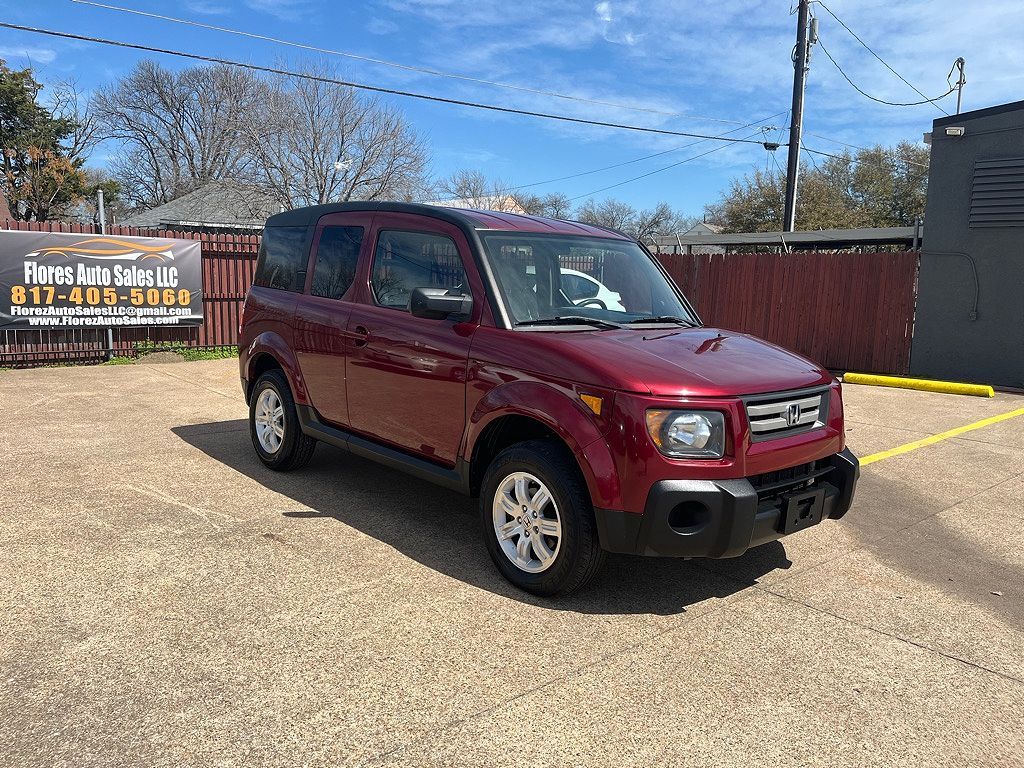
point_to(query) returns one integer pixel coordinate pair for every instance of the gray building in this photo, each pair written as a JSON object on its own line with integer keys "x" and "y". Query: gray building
{"x": 970, "y": 313}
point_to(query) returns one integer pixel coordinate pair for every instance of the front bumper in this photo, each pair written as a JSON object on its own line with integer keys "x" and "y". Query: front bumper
{"x": 725, "y": 518}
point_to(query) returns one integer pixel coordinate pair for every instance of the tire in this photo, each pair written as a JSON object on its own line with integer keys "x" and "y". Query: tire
{"x": 292, "y": 448}
{"x": 546, "y": 565}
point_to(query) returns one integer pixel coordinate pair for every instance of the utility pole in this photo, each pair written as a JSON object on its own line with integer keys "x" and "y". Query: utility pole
{"x": 961, "y": 81}
{"x": 801, "y": 59}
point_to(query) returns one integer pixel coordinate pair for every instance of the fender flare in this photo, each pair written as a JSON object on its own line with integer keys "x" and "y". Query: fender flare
{"x": 270, "y": 343}
{"x": 564, "y": 415}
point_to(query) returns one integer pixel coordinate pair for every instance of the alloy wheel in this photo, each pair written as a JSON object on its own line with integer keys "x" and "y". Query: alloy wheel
{"x": 526, "y": 522}
{"x": 269, "y": 417}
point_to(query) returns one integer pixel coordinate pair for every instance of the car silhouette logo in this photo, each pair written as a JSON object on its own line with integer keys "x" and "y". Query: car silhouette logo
{"x": 793, "y": 415}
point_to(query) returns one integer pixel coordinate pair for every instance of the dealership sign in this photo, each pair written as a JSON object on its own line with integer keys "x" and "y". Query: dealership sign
{"x": 51, "y": 279}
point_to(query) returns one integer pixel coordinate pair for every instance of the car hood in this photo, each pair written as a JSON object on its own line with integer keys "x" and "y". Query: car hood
{"x": 701, "y": 362}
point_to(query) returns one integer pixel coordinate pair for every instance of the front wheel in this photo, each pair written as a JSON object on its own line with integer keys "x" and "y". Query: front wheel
{"x": 537, "y": 519}
{"x": 274, "y": 424}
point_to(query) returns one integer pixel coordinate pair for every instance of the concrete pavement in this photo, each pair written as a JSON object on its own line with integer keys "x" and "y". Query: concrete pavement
{"x": 167, "y": 601}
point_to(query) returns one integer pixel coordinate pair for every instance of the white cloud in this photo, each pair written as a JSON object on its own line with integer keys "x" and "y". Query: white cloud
{"x": 285, "y": 10}
{"x": 617, "y": 22}
{"x": 207, "y": 8}
{"x": 30, "y": 53}
{"x": 378, "y": 26}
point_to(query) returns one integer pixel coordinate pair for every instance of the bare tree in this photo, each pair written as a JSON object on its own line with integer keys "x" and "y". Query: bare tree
{"x": 610, "y": 212}
{"x": 554, "y": 205}
{"x": 67, "y": 103}
{"x": 316, "y": 142}
{"x": 179, "y": 129}
{"x": 652, "y": 221}
{"x": 642, "y": 225}
{"x": 679, "y": 223}
{"x": 467, "y": 185}
{"x": 474, "y": 190}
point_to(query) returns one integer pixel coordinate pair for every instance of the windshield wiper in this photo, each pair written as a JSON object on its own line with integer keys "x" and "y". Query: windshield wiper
{"x": 663, "y": 319}
{"x": 570, "y": 320}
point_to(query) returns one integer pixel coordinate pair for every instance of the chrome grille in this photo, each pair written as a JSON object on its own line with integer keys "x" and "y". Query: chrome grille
{"x": 773, "y": 416}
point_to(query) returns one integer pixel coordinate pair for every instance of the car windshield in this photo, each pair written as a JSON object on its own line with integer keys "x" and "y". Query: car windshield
{"x": 562, "y": 277}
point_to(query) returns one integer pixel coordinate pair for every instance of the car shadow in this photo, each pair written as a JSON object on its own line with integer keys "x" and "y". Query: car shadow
{"x": 416, "y": 518}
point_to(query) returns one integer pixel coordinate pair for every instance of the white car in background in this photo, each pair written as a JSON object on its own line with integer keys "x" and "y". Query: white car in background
{"x": 585, "y": 290}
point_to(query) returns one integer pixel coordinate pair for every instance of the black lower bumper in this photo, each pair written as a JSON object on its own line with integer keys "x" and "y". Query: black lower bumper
{"x": 725, "y": 518}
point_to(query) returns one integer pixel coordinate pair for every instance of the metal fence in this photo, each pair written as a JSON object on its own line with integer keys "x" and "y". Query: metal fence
{"x": 847, "y": 311}
{"x": 228, "y": 260}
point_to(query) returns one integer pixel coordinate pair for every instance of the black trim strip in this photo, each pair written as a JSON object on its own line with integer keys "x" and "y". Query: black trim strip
{"x": 768, "y": 487}
{"x": 456, "y": 479}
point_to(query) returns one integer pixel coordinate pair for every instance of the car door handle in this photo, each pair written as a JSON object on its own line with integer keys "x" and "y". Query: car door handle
{"x": 360, "y": 336}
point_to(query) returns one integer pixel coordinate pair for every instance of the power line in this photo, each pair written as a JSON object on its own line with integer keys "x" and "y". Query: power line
{"x": 365, "y": 87}
{"x": 851, "y": 159}
{"x": 660, "y": 170}
{"x": 875, "y": 98}
{"x": 813, "y": 161}
{"x": 837, "y": 141}
{"x": 829, "y": 154}
{"x": 782, "y": 174}
{"x": 855, "y": 146}
{"x": 639, "y": 159}
{"x": 398, "y": 65}
{"x": 884, "y": 62}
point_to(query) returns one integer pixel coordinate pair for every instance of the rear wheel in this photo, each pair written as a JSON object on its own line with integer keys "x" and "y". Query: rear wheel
{"x": 537, "y": 519}
{"x": 274, "y": 424}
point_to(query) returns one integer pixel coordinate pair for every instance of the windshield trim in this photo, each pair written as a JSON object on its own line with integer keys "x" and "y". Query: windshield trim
{"x": 481, "y": 235}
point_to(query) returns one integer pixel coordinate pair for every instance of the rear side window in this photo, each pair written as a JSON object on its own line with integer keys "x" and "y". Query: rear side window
{"x": 337, "y": 255}
{"x": 406, "y": 260}
{"x": 282, "y": 260}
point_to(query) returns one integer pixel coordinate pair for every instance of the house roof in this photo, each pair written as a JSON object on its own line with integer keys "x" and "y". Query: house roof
{"x": 215, "y": 205}
{"x": 467, "y": 218}
{"x": 704, "y": 227}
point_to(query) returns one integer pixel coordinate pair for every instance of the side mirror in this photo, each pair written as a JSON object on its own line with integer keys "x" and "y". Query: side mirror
{"x": 438, "y": 303}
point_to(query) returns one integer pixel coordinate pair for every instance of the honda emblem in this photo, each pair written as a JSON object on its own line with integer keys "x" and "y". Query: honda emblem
{"x": 793, "y": 415}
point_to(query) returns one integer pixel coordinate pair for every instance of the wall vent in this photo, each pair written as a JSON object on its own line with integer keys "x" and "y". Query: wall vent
{"x": 997, "y": 194}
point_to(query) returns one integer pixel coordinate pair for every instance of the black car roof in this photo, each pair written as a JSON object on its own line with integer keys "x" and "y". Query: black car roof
{"x": 466, "y": 218}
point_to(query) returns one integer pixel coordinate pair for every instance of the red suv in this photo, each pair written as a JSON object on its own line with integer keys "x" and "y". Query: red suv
{"x": 551, "y": 369}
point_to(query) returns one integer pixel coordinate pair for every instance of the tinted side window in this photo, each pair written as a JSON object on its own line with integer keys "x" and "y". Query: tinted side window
{"x": 406, "y": 260}
{"x": 337, "y": 255}
{"x": 282, "y": 259}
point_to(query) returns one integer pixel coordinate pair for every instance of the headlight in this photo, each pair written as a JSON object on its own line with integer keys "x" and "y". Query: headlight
{"x": 688, "y": 434}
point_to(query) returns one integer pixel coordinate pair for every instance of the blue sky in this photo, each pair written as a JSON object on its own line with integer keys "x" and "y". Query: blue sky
{"x": 668, "y": 64}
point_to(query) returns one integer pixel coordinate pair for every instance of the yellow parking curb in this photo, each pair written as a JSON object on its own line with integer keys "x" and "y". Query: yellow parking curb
{"x": 927, "y": 385}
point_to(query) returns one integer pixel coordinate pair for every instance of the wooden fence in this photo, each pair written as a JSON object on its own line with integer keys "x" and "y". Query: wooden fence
{"x": 847, "y": 311}
{"x": 228, "y": 263}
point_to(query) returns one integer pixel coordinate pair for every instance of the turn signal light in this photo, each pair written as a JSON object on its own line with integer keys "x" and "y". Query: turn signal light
{"x": 593, "y": 402}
